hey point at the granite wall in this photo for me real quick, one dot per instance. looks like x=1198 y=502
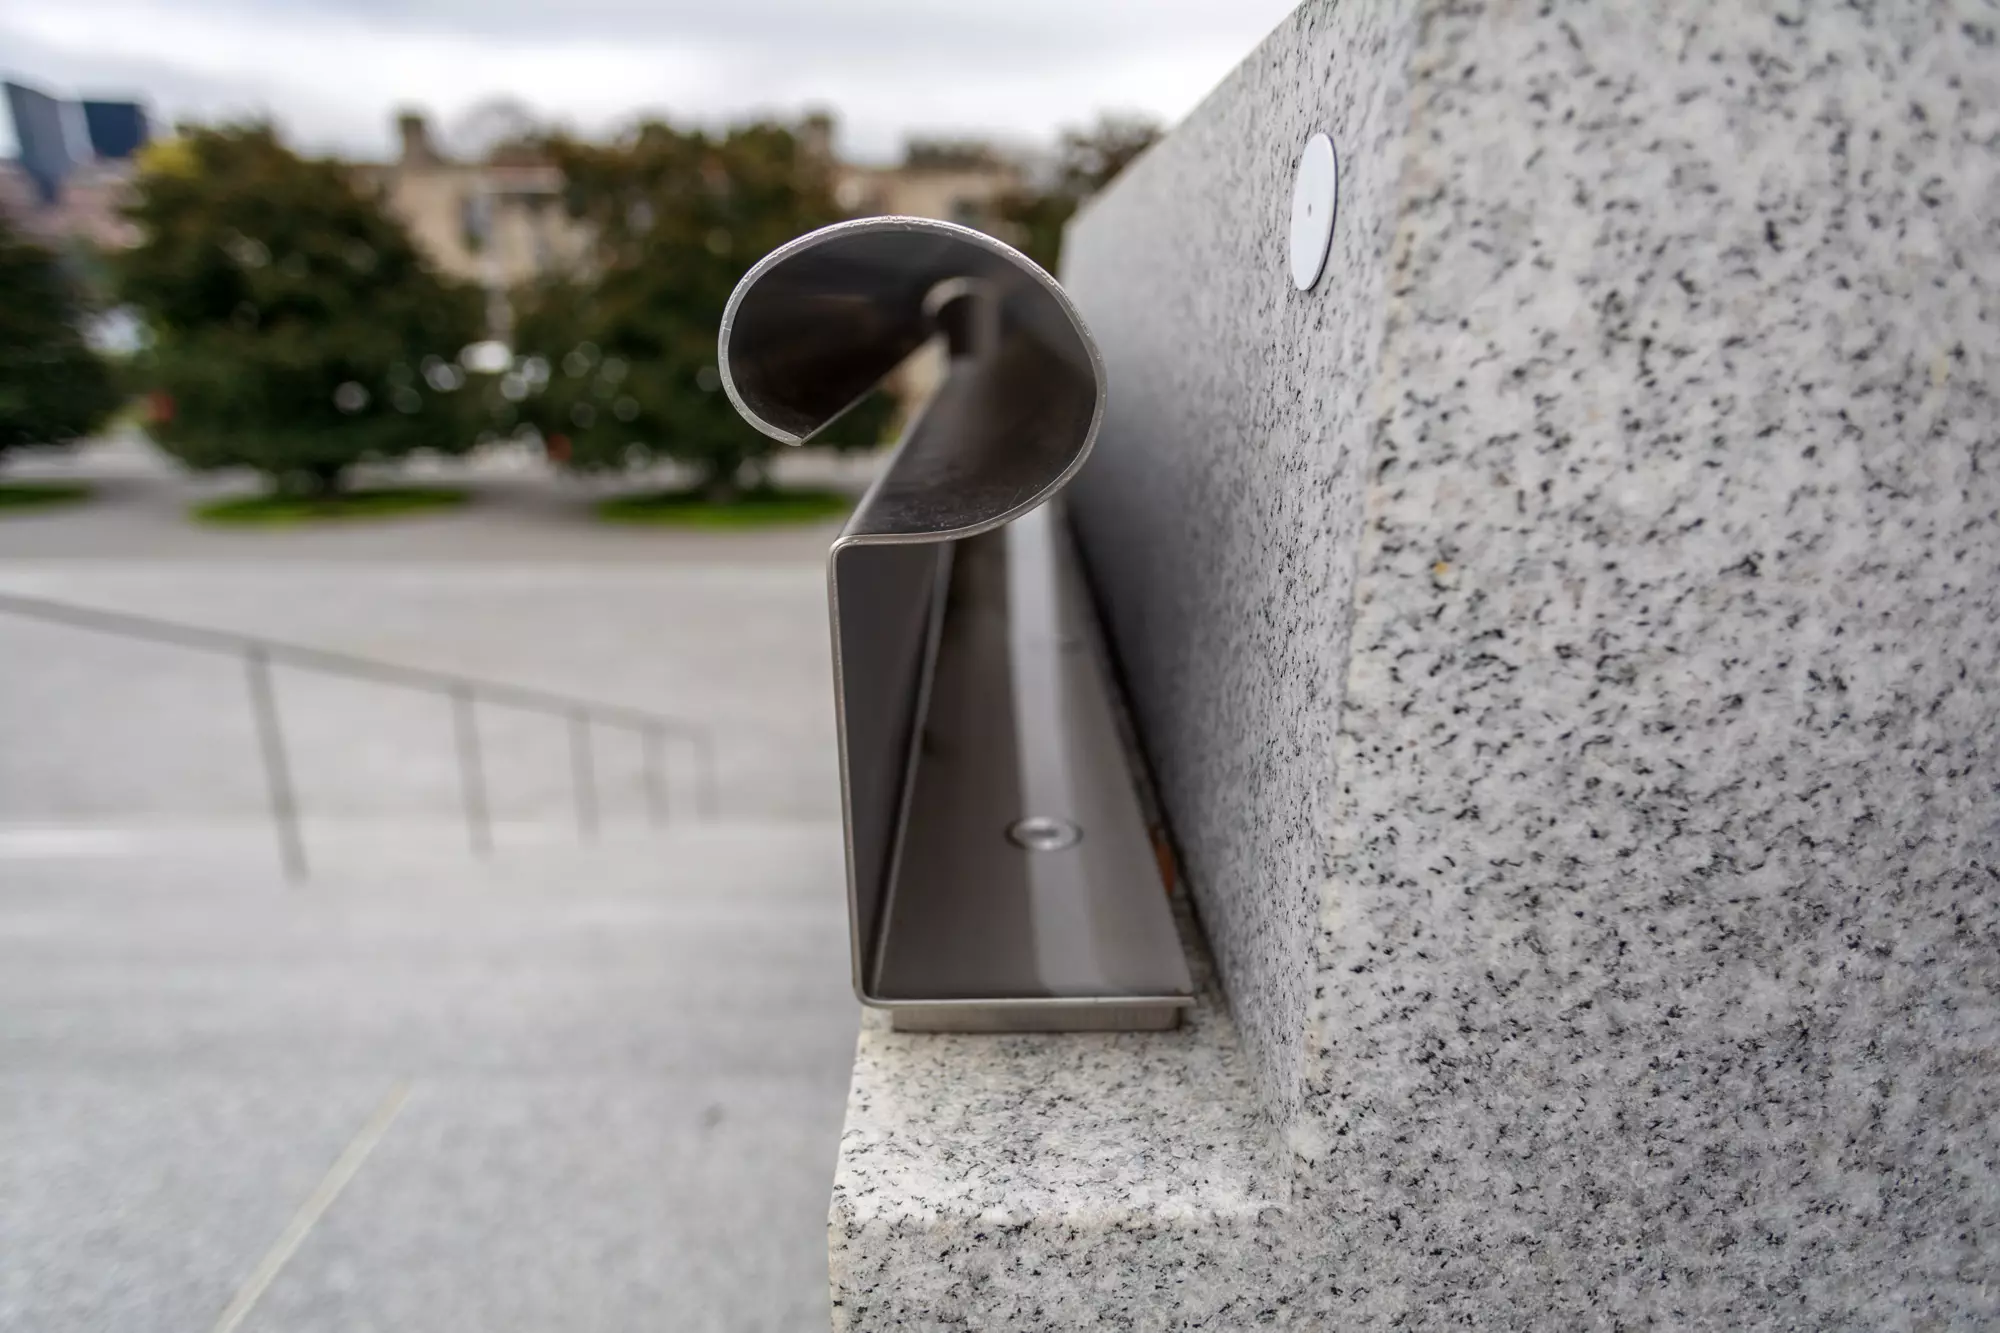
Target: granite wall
x=1567 y=640
x=1220 y=512
x=1658 y=964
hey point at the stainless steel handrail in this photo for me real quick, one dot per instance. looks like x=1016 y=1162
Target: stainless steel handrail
x=465 y=693
x=1002 y=872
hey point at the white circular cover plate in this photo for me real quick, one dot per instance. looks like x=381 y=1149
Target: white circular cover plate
x=1315 y=196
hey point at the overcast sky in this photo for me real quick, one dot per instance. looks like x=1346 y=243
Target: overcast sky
x=331 y=71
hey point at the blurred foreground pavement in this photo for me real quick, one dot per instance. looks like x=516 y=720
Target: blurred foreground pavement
x=571 y=1086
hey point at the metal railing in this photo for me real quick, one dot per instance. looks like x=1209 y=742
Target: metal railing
x=259 y=655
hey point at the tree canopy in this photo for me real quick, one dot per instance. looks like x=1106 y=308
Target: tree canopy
x=296 y=329
x=1087 y=160
x=53 y=387
x=621 y=361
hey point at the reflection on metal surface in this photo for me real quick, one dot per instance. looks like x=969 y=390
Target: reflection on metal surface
x=1041 y=833
x=978 y=731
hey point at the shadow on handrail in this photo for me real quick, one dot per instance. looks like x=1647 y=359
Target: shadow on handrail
x=465 y=692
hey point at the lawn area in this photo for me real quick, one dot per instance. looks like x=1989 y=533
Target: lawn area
x=752 y=509
x=377 y=502
x=19 y=495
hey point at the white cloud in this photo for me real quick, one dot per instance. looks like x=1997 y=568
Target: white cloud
x=331 y=72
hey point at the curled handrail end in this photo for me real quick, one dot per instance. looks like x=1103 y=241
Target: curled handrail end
x=729 y=388
x=747 y=384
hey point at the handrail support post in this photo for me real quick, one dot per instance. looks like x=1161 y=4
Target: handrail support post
x=471 y=770
x=583 y=771
x=652 y=741
x=277 y=769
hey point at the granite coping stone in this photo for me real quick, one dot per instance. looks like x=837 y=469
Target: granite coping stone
x=1051 y=1181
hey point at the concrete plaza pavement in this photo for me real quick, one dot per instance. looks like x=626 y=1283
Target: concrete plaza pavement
x=570 y=1086
x=615 y=1077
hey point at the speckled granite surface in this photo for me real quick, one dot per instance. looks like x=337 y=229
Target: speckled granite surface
x=1057 y=1182
x=1220 y=512
x=1569 y=643
x=1658 y=968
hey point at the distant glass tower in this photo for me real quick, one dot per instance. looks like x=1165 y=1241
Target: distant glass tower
x=46 y=153
x=117 y=129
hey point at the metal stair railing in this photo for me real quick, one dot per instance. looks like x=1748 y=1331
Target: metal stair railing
x=259 y=655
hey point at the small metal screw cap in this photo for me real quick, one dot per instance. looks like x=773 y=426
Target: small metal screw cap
x=1043 y=833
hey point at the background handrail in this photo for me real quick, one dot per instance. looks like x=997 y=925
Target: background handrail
x=259 y=655
x=335 y=663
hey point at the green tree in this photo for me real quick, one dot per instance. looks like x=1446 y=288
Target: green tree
x=53 y=387
x=618 y=366
x=296 y=329
x=1087 y=160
